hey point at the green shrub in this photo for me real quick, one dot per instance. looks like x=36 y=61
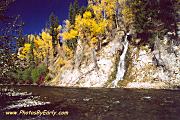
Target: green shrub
x=26 y=74
x=32 y=73
x=37 y=72
x=35 y=75
x=42 y=68
x=19 y=75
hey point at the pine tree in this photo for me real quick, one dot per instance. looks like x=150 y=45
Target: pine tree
x=71 y=12
x=76 y=7
x=82 y=10
x=154 y=16
x=74 y=10
x=20 y=37
x=53 y=25
x=168 y=14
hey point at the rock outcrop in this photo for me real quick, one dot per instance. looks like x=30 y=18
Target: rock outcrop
x=144 y=67
x=159 y=68
x=87 y=75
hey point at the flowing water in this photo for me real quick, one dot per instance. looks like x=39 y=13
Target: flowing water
x=121 y=66
x=56 y=103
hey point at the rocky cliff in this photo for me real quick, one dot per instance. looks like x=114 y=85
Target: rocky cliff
x=159 y=68
x=121 y=64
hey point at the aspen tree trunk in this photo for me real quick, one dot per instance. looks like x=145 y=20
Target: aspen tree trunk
x=79 y=54
x=94 y=57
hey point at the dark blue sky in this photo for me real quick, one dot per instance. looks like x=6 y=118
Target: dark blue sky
x=35 y=13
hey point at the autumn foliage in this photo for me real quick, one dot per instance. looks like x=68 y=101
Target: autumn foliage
x=91 y=27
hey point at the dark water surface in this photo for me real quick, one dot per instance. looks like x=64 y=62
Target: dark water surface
x=87 y=104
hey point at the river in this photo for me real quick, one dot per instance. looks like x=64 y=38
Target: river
x=57 y=103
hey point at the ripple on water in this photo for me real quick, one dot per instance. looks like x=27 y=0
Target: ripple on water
x=25 y=103
x=30 y=101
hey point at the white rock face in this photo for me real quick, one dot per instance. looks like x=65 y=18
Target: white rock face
x=87 y=76
x=149 y=69
x=146 y=74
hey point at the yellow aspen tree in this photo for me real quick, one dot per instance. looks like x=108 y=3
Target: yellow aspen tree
x=25 y=51
x=42 y=48
x=87 y=29
x=127 y=13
